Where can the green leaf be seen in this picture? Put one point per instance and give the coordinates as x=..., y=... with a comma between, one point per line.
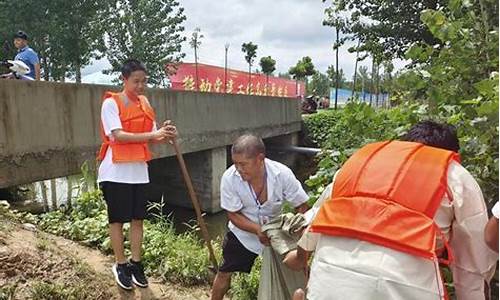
x=487, y=87
x=455, y=5
x=436, y=22
x=470, y=102
x=414, y=52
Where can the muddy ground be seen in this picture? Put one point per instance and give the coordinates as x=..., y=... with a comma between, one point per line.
x=37, y=265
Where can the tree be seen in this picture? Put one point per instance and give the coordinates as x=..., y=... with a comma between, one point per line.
x=297, y=72
x=79, y=28
x=336, y=76
x=377, y=85
x=331, y=73
x=460, y=82
x=35, y=19
x=250, y=51
x=195, y=43
x=268, y=66
x=302, y=70
x=149, y=31
x=387, y=77
x=395, y=23
x=372, y=82
x=342, y=81
x=375, y=49
x=66, y=34
x=358, y=59
x=320, y=85
x=365, y=79
x=334, y=19
x=308, y=66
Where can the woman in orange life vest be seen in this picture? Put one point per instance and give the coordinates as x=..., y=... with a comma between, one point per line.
x=392, y=202
x=127, y=126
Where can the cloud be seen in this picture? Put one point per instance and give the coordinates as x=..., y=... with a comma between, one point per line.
x=287, y=30
x=96, y=66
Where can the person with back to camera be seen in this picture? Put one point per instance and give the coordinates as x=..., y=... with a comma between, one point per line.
x=396, y=209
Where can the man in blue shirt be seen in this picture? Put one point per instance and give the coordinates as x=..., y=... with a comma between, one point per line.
x=26, y=54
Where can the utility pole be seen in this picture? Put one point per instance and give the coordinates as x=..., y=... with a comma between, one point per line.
x=226, y=48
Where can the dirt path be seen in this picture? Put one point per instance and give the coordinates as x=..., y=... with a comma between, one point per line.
x=156, y=290
x=17, y=239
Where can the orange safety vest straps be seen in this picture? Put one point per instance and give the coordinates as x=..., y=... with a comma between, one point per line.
x=387, y=193
x=136, y=117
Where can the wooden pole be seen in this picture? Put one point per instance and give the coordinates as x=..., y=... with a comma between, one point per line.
x=196, y=204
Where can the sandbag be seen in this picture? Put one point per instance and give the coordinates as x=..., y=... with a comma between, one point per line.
x=277, y=281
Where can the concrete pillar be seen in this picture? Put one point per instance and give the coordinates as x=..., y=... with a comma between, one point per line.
x=206, y=169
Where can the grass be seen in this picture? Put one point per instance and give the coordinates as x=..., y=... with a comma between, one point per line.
x=56, y=291
x=42, y=243
x=246, y=286
x=81, y=282
x=8, y=291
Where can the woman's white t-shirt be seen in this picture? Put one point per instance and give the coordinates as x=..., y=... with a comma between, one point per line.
x=126, y=172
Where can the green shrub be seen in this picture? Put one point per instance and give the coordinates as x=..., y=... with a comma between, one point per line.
x=175, y=257
x=349, y=128
x=8, y=292
x=246, y=286
x=358, y=124
x=86, y=222
x=56, y=291
x=180, y=258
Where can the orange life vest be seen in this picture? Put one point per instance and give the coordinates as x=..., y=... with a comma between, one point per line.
x=387, y=193
x=136, y=117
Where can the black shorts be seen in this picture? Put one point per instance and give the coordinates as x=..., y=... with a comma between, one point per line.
x=125, y=201
x=235, y=257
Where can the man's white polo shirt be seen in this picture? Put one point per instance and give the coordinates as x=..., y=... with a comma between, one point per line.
x=236, y=195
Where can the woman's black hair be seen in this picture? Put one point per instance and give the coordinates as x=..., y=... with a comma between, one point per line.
x=132, y=65
x=434, y=134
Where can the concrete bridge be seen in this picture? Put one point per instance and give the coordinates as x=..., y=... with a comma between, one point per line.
x=47, y=130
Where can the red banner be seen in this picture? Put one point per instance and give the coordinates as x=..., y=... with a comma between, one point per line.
x=213, y=79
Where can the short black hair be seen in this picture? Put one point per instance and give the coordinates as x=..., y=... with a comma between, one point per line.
x=132, y=65
x=21, y=35
x=249, y=145
x=430, y=133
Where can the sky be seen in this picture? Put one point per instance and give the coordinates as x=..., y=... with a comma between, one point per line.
x=287, y=30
